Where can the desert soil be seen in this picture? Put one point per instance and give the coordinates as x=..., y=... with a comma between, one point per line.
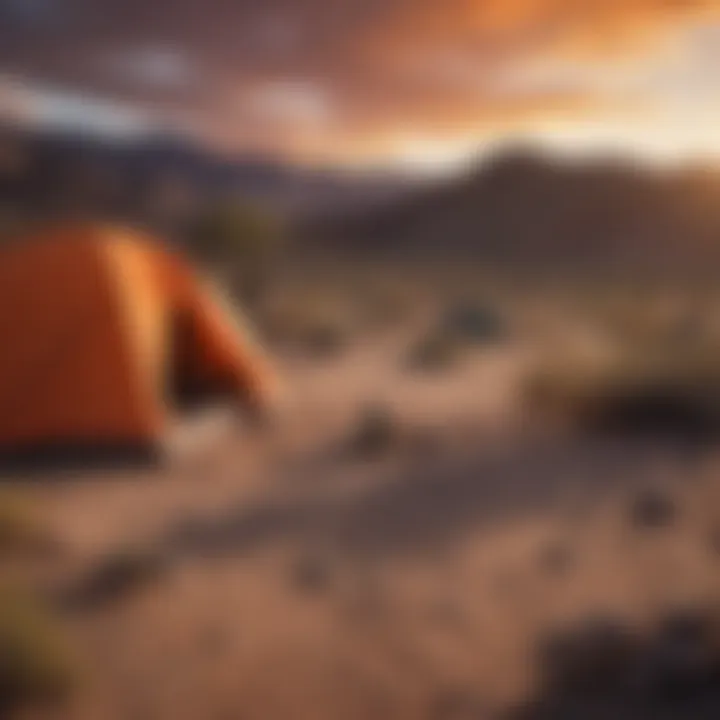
x=306, y=582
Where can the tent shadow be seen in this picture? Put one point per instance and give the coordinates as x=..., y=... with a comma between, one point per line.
x=70, y=462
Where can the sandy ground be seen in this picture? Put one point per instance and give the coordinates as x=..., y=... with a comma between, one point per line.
x=309, y=583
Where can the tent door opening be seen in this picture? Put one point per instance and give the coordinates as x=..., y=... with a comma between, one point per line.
x=188, y=389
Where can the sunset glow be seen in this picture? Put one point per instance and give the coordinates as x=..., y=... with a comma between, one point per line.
x=425, y=85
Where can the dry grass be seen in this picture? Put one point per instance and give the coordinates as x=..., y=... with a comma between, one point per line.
x=21, y=532
x=605, y=667
x=651, y=370
x=316, y=323
x=435, y=352
x=36, y=666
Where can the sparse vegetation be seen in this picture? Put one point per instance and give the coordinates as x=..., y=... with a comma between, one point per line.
x=317, y=324
x=387, y=304
x=474, y=323
x=21, y=533
x=462, y=326
x=605, y=667
x=242, y=242
x=402, y=565
x=434, y=353
x=655, y=388
x=587, y=659
x=36, y=665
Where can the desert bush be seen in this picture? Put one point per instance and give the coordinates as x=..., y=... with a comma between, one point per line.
x=474, y=323
x=683, y=657
x=36, y=664
x=605, y=668
x=637, y=391
x=460, y=327
x=596, y=656
x=241, y=241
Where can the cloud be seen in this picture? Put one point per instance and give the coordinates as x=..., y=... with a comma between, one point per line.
x=287, y=103
x=157, y=68
x=340, y=78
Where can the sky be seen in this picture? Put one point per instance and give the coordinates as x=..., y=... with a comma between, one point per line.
x=425, y=84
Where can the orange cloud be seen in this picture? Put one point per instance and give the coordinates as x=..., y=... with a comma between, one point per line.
x=338, y=78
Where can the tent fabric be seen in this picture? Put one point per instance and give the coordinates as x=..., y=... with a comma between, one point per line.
x=89, y=348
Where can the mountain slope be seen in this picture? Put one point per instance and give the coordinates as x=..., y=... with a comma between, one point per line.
x=525, y=208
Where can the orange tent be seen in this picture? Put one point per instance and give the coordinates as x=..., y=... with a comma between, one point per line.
x=102, y=334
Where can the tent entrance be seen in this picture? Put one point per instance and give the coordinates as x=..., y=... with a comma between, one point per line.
x=188, y=389
x=202, y=413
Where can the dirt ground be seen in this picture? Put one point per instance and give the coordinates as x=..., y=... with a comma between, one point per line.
x=306, y=581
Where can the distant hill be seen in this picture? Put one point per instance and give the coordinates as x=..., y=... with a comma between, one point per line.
x=160, y=179
x=525, y=208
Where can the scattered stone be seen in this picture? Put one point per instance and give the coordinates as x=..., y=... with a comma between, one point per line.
x=714, y=540
x=556, y=560
x=377, y=433
x=434, y=353
x=118, y=577
x=459, y=704
x=311, y=575
x=474, y=323
x=653, y=509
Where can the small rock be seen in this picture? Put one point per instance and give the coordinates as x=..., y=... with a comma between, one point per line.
x=311, y=575
x=556, y=560
x=653, y=509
